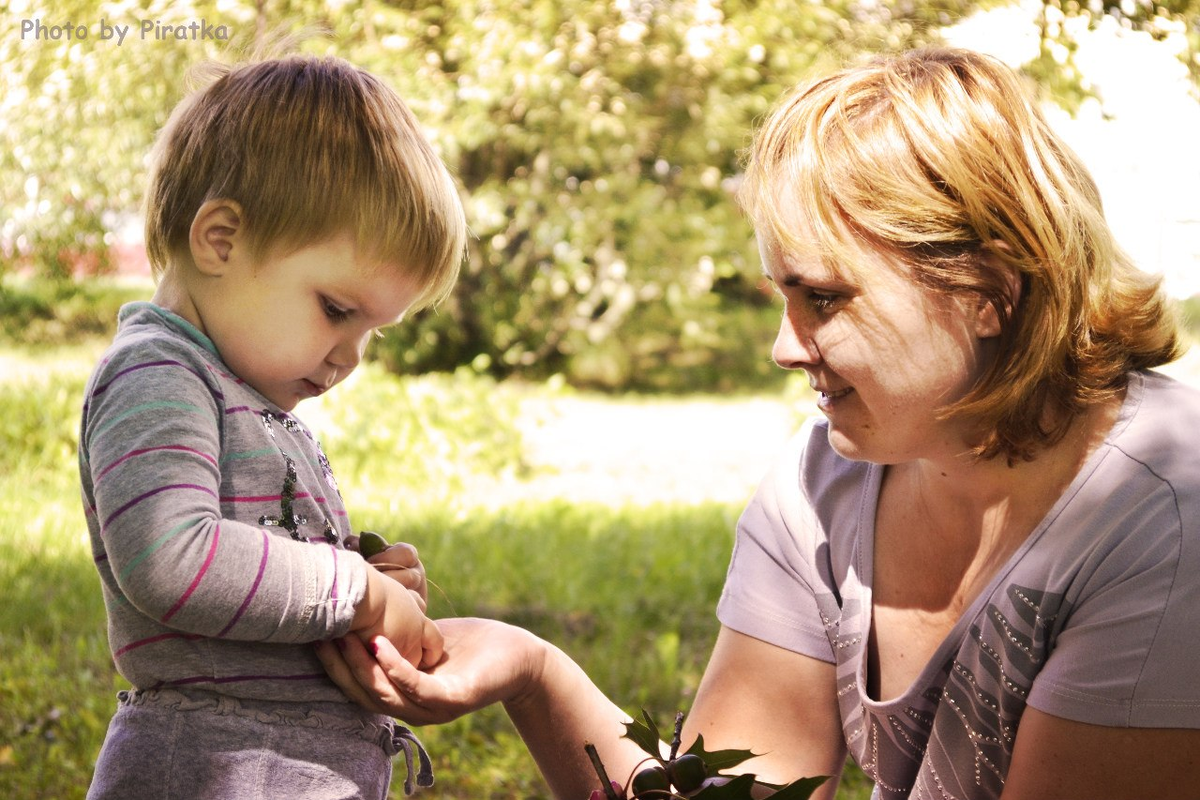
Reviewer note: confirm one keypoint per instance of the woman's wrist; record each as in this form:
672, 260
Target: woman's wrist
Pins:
540, 663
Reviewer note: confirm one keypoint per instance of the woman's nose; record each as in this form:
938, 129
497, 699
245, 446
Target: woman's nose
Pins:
794, 346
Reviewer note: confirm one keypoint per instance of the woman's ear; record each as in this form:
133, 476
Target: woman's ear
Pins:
216, 236
987, 319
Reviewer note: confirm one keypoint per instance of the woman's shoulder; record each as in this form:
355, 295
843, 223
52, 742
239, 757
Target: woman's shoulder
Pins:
1159, 429
810, 482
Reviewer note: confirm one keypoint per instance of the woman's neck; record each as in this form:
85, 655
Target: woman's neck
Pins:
991, 500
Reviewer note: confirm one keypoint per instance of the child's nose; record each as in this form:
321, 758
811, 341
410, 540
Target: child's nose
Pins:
348, 353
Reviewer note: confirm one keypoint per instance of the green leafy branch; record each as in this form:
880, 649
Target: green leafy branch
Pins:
694, 774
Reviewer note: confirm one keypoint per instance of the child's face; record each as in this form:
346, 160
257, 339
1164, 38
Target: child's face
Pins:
293, 326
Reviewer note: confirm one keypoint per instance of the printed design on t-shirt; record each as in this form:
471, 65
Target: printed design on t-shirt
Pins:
288, 519
326, 468
974, 719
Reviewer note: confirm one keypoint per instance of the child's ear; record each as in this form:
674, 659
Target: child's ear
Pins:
216, 236
987, 319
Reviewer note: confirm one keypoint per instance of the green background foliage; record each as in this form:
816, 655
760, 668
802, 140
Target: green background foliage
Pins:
596, 142
597, 145
400, 448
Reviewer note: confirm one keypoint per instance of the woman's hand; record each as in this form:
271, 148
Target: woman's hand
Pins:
483, 662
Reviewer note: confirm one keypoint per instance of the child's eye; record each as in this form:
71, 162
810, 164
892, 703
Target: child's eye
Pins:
333, 311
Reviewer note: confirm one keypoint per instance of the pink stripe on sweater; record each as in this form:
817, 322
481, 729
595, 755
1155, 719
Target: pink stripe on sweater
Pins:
309, 676
262, 568
147, 365
212, 550
143, 451
150, 493
160, 638
264, 498
275, 498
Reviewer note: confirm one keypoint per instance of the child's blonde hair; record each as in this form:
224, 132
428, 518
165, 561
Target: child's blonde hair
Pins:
310, 148
940, 158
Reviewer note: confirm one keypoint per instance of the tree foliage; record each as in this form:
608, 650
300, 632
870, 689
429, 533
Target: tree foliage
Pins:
596, 142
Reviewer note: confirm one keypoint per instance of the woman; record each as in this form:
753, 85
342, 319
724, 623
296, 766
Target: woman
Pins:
976, 573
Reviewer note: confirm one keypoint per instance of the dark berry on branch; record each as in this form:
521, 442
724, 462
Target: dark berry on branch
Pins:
687, 772
371, 543
651, 779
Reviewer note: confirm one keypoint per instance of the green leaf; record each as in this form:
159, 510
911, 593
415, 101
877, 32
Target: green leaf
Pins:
644, 733
719, 759
801, 789
737, 789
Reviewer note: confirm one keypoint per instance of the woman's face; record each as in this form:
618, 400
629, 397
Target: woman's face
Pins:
883, 352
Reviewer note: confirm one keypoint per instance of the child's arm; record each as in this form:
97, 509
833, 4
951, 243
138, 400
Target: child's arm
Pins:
151, 465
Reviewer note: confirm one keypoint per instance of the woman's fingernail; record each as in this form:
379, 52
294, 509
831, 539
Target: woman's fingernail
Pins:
374, 648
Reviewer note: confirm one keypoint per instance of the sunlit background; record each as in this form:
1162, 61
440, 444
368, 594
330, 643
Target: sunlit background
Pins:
568, 440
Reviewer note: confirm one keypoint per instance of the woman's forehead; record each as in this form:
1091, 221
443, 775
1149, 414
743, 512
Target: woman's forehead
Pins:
848, 263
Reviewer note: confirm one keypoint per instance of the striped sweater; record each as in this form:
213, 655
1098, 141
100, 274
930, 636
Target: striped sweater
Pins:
215, 521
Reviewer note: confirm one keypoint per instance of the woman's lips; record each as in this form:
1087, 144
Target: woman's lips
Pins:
827, 400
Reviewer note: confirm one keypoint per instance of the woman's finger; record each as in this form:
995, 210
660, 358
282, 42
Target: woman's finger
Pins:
410, 683
339, 671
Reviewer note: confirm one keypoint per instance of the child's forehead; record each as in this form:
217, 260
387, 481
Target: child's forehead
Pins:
341, 262
381, 295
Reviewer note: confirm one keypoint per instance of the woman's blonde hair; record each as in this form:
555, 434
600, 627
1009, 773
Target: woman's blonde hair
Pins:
310, 148
940, 158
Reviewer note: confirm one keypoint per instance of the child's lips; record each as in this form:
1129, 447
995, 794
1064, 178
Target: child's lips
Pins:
313, 389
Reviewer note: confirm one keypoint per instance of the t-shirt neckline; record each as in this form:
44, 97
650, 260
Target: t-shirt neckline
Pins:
865, 549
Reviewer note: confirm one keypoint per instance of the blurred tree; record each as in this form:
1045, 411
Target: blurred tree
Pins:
597, 142
1054, 67
77, 116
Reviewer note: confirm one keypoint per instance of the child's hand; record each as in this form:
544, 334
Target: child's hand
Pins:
398, 561
391, 610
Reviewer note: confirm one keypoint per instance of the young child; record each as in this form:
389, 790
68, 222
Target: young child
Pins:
294, 208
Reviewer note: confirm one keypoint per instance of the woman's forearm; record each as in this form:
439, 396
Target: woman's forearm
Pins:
563, 711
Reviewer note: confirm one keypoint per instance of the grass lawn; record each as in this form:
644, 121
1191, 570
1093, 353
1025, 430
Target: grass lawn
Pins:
628, 591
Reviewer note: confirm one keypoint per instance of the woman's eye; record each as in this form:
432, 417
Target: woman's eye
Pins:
822, 301
334, 311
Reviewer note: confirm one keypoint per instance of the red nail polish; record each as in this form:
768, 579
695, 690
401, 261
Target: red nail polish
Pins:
374, 648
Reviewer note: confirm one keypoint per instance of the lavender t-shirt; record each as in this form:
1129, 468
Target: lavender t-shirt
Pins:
1096, 618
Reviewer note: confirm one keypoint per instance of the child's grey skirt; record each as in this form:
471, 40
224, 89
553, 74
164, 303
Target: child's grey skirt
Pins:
170, 745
